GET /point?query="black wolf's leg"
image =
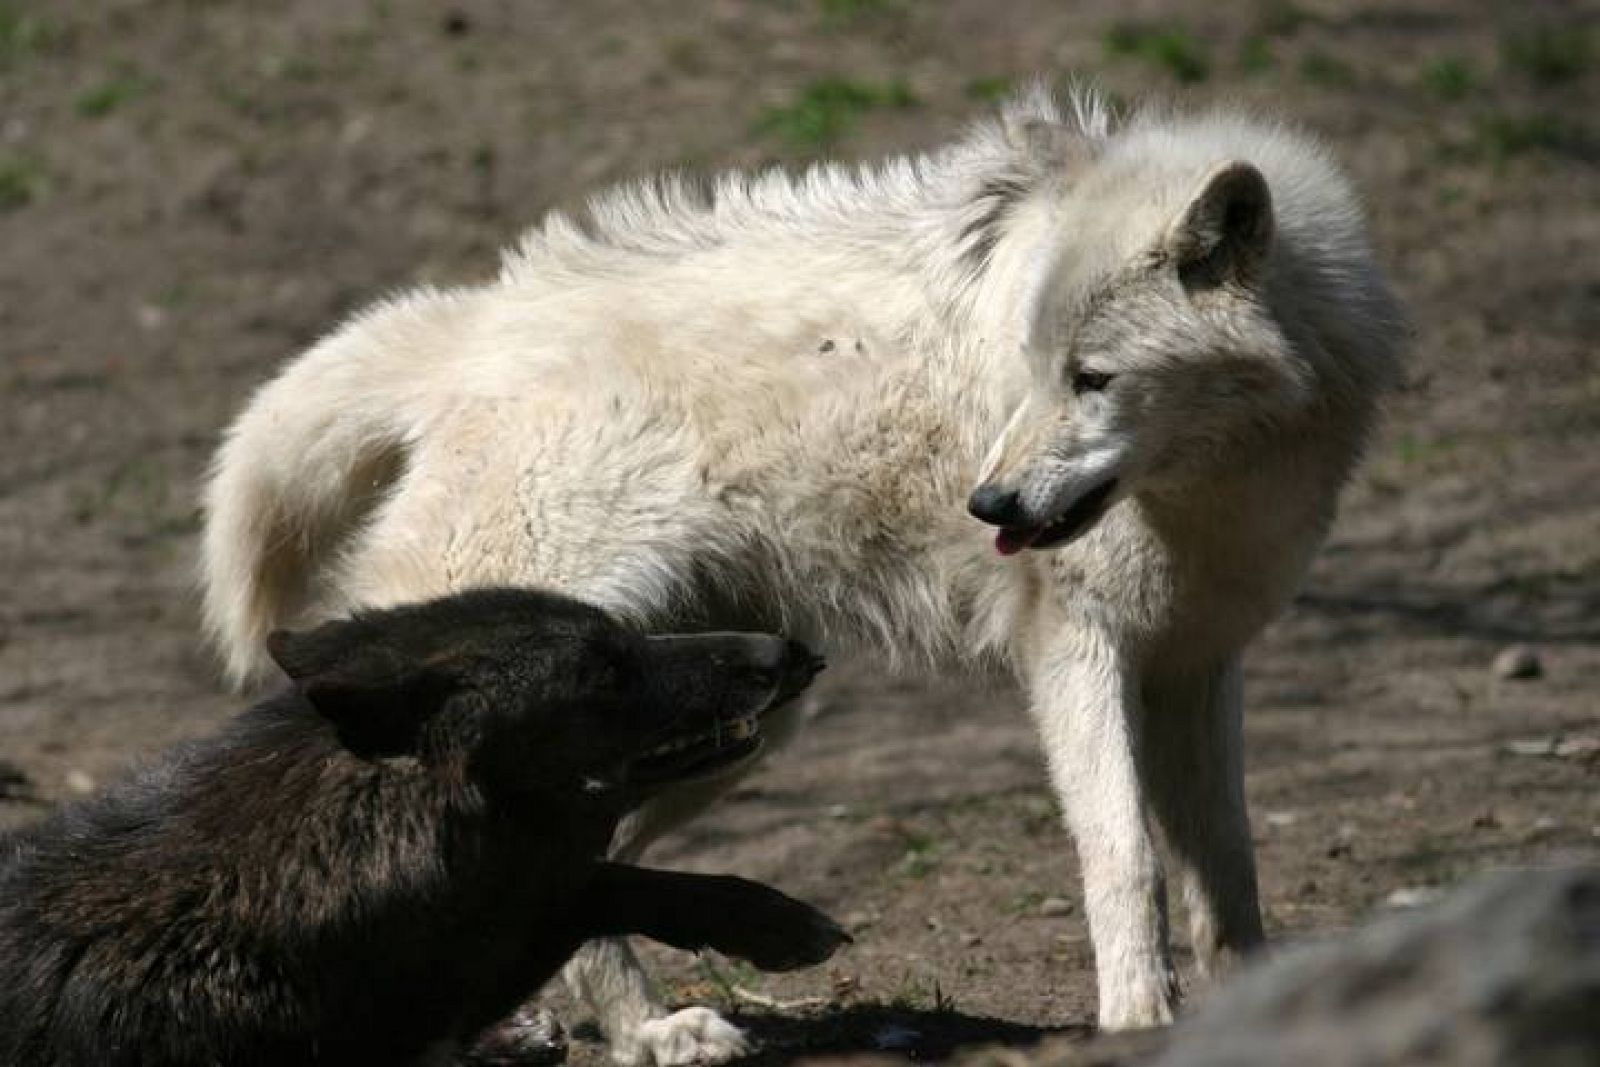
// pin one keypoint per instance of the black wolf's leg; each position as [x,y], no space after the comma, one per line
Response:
[694,911]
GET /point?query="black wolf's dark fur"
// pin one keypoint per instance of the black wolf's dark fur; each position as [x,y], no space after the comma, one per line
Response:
[389,856]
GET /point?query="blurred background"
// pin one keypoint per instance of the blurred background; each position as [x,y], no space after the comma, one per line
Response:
[191,191]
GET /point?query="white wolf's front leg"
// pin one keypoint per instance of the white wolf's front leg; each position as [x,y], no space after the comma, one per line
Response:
[1087,711]
[1194,743]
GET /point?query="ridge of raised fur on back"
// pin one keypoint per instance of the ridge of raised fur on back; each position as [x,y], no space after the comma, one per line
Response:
[296,479]
[770,403]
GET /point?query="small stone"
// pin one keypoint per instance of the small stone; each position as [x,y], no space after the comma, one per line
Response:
[79,782]
[1486,820]
[838,811]
[1546,824]
[1577,747]
[1517,662]
[972,940]
[1055,907]
[1537,747]
[860,920]
[1413,896]
[1281,818]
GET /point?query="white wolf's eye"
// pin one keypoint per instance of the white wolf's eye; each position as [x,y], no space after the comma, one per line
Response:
[1090,381]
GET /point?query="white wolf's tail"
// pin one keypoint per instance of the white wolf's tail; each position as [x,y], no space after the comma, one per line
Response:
[314,451]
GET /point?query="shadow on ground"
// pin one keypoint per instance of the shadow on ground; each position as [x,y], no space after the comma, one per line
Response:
[919,1034]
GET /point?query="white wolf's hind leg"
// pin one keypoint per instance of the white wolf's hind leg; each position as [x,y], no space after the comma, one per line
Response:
[1195,771]
[607,976]
[1087,717]
[640,1029]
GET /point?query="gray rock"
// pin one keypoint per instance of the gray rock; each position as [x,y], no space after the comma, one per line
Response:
[1055,907]
[1505,971]
[1517,661]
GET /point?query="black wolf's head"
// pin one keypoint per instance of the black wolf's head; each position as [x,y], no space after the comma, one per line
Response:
[530,691]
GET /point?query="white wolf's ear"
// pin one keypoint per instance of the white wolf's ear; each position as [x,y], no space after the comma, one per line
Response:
[1224,233]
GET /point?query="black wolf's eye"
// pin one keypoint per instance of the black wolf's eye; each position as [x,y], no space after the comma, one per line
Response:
[1090,381]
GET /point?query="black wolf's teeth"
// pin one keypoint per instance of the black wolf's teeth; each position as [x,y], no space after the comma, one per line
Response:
[739,730]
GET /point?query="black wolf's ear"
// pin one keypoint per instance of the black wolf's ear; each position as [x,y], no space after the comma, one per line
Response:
[1224,233]
[377,699]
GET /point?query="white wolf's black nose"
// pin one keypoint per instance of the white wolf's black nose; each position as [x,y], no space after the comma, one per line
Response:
[995,505]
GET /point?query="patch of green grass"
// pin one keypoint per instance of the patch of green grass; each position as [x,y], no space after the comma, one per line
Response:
[292,68]
[1414,450]
[1255,56]
[25,33]
[917,993]
[921,855]
[1171,48]
[988,89]
[1449,78]
[729,976]
[21,181]
[1500,136]
[171,296]
[1433,864]
[101,100]
[829,108]
[1550,55]
[1319,68]
[1027,902]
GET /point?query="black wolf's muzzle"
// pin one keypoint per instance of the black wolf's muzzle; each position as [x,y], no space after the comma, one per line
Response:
[710,691]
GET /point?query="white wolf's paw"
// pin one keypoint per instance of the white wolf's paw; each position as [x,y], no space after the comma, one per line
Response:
[690,1036]
[1148,1001]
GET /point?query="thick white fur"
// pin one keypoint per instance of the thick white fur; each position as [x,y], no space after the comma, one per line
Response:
[765,401]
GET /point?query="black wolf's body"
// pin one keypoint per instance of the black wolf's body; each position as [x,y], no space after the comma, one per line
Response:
[387,857]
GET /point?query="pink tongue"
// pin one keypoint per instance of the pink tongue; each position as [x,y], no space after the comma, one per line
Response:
[1010,542]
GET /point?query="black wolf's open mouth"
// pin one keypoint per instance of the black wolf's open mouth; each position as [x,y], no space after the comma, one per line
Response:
[687,756]
[1078,518]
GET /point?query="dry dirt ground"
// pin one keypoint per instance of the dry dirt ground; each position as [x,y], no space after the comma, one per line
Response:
[191,191]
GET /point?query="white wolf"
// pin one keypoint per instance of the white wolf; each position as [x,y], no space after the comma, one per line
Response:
[1153,347]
